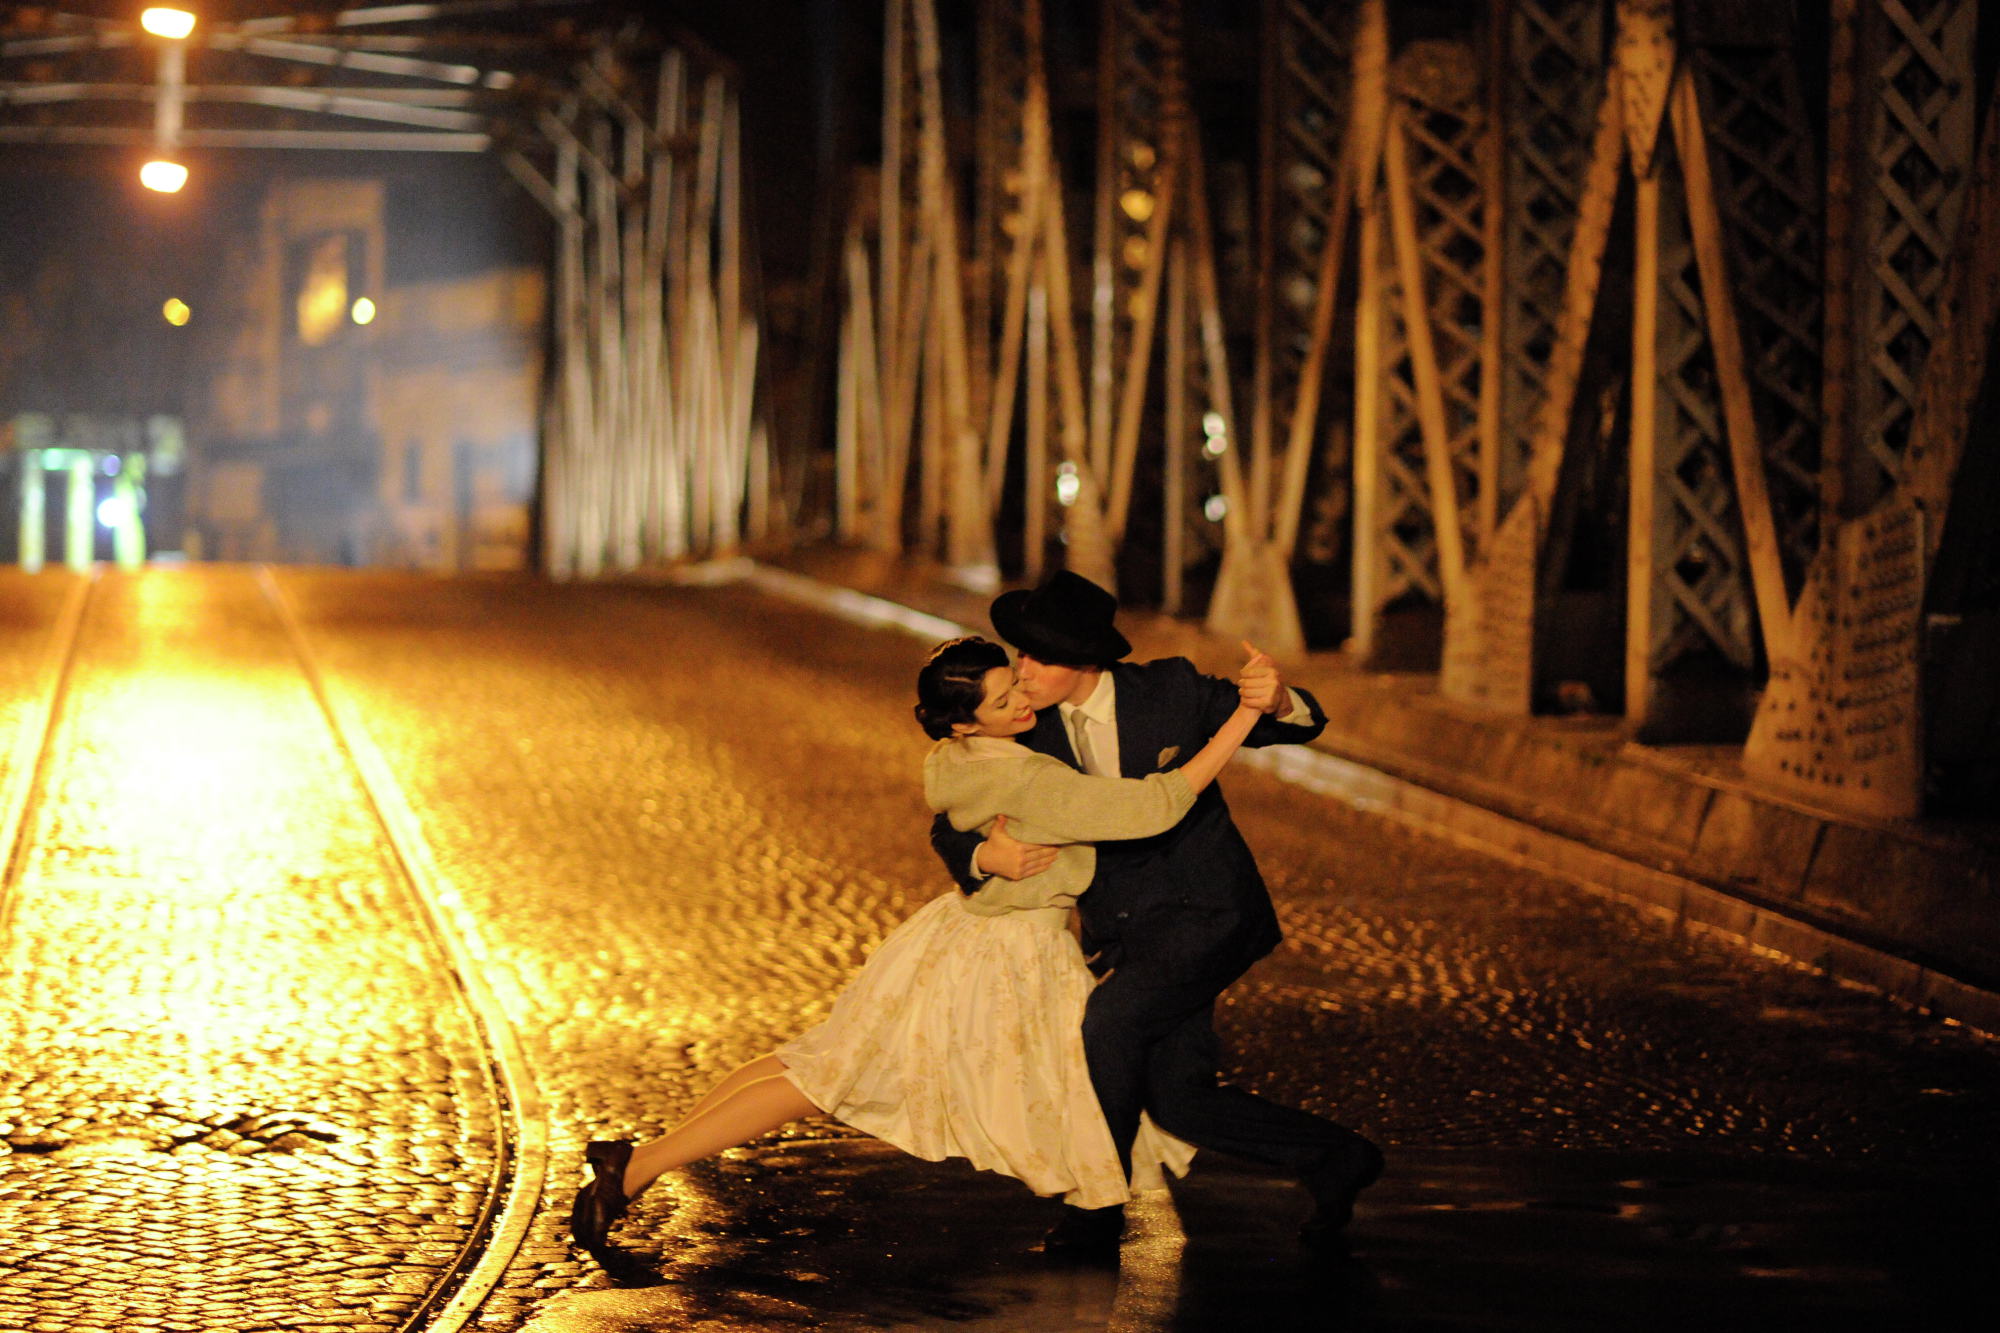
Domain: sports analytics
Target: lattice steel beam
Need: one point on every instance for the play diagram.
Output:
(1143, 138)
(1554, 62)
(1308, 92)
(1918, 83)
(1418, 438)
(1761, 150)
(1698, 571)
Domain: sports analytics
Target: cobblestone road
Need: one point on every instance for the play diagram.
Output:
(240, 1092)
(215, 1118)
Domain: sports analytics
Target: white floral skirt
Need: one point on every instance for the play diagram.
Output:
(962, 1037)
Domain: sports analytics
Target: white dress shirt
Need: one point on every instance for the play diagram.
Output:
(1093, 726)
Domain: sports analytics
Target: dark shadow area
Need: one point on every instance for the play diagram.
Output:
(1244, 1266)
(836, 1234)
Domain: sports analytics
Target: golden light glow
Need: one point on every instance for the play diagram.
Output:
(164, 176)
(164, 22)
(364, 310)
(323, 297)
(176, 311)
(1138, 205)
(190, 1004)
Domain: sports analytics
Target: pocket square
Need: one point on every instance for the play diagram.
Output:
(1166, 756)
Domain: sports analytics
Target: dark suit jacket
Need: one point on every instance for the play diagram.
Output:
(1185, 905)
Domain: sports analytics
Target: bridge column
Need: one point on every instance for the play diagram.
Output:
(80, 529)
(128, 534)
(34, 507)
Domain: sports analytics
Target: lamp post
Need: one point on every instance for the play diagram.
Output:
(172, 26)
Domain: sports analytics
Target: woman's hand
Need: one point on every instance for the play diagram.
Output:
(1007, 857)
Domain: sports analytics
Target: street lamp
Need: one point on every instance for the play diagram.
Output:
(163, 22)
(163, 173)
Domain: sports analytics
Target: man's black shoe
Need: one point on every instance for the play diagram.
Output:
(1341, 1175)
(1085, 1233)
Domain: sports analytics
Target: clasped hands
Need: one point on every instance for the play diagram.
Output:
(1259, 685)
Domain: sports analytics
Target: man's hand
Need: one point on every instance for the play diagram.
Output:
(1008, 857)
(1259, 684)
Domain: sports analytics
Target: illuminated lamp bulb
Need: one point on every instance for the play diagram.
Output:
(1068, 484)
(363, 311)
(176, 311)
(164, 22)
(164, 176)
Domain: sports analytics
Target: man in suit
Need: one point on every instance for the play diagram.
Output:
(1172, 919)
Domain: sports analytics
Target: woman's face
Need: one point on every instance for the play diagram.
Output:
(1005, 711)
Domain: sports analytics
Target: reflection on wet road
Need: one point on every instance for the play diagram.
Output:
(235, 1076)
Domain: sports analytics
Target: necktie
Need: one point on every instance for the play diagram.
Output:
(1085, 758)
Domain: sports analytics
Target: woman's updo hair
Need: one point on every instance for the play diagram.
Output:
(952, 684)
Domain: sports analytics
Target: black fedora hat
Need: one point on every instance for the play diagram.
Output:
(1066, 621)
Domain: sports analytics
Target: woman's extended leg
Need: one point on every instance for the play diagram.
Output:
(762, 1067)
(754, 1106)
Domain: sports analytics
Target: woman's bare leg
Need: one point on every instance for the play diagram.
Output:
(755, 1106)
(762, 1067)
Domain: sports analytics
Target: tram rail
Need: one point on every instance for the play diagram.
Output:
(34, 736)
(521, 1157)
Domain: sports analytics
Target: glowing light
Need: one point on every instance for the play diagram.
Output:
(113, 510)
(1217, 431)
(322, 302)
(363, 311)
(1138, 205)
(164, 22)
(1067, 484)
(1215, 508)
(176, 311)
(166, 177)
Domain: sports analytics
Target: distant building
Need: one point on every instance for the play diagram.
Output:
(353, 422)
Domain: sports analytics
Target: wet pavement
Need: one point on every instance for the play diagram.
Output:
(241, 1091)
(212, 1114)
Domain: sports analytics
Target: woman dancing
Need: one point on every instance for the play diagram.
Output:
(961, 1035)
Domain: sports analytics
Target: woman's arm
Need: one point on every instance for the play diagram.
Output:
(1069, 806)
(956, 850)
(1218, 698)
(1209, 759)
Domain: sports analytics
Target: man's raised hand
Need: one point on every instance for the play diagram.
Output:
(1259, 683)
(1006, 856)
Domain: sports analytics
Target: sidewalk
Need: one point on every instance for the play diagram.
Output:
(1906, 908)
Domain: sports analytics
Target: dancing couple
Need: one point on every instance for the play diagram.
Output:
(982, 1028)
